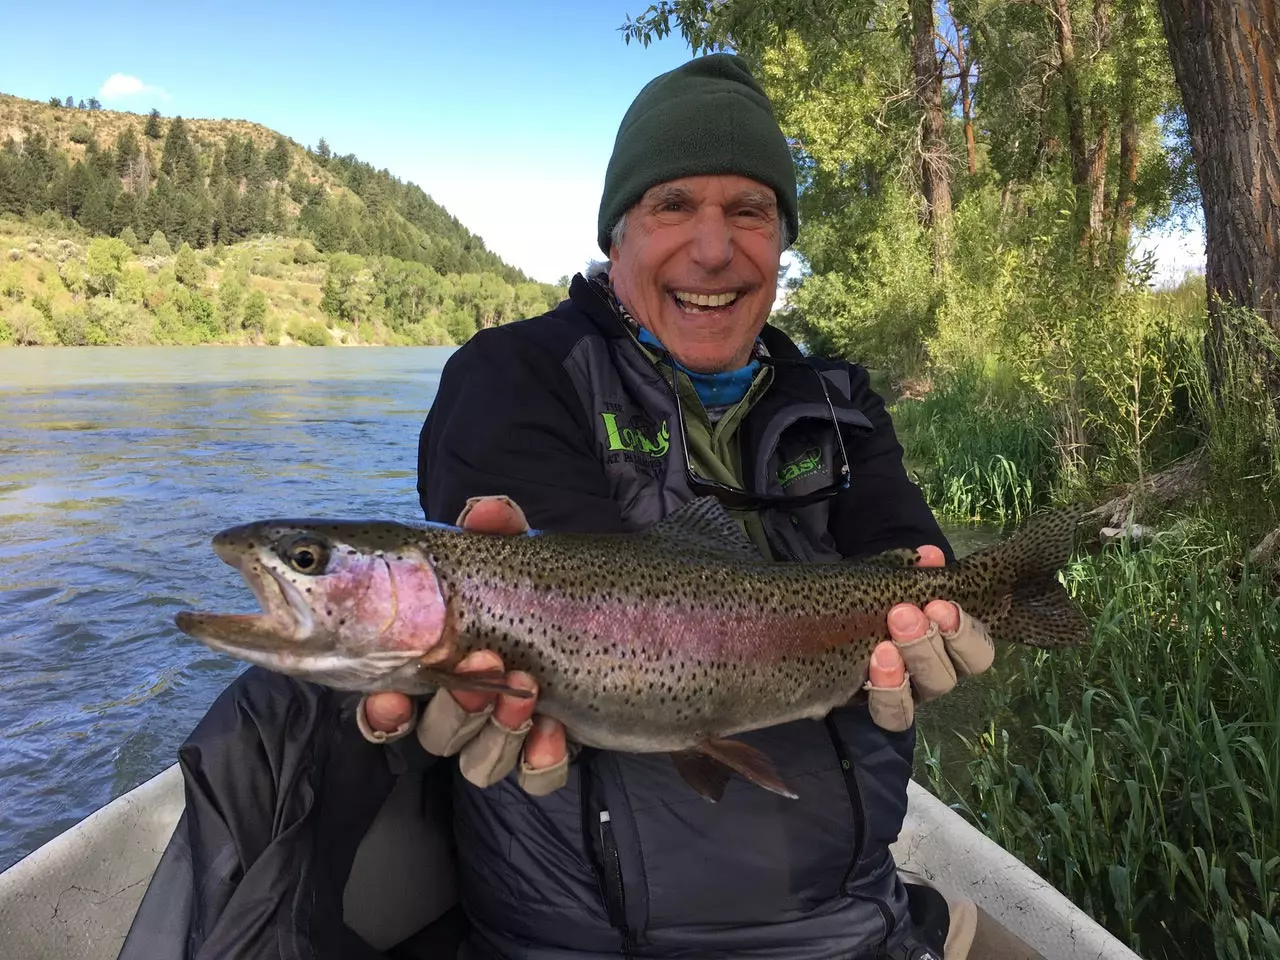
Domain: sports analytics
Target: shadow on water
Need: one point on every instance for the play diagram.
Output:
(119, 465)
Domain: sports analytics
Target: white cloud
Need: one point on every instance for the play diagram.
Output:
(122, 86)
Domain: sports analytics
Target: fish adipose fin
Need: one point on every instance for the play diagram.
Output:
(706, 766)
(705, 524)
(480, 681)
(1023, 570)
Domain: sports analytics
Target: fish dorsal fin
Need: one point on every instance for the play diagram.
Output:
(705, 524)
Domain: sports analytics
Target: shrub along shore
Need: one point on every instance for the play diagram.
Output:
(1139, 774)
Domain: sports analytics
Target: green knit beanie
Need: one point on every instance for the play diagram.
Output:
(708, 116)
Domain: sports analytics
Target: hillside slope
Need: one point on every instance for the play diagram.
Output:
(219, 181)
(121, 229)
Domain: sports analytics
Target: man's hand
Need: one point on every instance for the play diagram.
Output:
(930, 648)
(490, 732)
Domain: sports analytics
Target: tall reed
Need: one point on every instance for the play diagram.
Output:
(1143, 774)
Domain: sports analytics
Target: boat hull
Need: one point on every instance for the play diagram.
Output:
(75, 897)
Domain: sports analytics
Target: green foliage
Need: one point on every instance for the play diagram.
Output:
(80, 133)
(1147, 767)
(187, 267)
(26, 326)
(130, 239)
(255, 312)
(105, 261)
(877, 301)
(1241, 430)
(230, 299)
(152, 128)
(158, 245)
(978, 448)
(305, 252)
(310, 333)
(344, 297)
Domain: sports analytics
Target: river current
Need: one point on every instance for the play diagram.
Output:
(116, 467)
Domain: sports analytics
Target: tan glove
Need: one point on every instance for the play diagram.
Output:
(932, 647)
(489, 733)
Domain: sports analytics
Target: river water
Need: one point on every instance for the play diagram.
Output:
(116, 467)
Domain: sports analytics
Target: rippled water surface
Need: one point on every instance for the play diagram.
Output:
(116, 467)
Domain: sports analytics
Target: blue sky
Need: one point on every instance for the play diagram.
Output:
(504, 112)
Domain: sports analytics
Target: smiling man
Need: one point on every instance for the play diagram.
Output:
(657, 381)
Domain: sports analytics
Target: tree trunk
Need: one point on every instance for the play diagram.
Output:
(966, 95)
(935, 173)
(1226, 58)
(1122, 222)
(1071, 93)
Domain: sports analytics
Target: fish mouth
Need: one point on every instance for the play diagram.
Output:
(285, 617)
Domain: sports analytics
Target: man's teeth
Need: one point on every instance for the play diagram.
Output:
(706, 299)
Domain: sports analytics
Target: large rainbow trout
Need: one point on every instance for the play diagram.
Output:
(669, 640)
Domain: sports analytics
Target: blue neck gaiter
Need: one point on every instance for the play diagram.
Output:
(713, 389)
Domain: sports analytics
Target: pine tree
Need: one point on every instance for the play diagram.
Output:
(279, 160)
(127, 150)
(178, 158)
(70, 103)
(322, 149)
(152, 129)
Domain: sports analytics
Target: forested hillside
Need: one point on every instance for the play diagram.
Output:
(380, 251)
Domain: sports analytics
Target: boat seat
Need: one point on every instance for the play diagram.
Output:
(403, 878)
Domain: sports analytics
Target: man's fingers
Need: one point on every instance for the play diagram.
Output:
(388, 712)
(545, 746)
(888, 691)
(513, 712)
(944, 613)
(931, 556)
(969, 645)
(492, 515)
(473, 701)
(887, 668)
(920, 643)
(546, 758)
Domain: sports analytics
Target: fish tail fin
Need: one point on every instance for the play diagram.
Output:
(1019, 579)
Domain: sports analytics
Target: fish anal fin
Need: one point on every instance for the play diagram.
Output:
(480, 681)
(706, 775)
(748, 762)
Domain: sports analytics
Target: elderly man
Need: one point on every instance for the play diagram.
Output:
(657, 381)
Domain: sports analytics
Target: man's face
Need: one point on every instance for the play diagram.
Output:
(698, 267)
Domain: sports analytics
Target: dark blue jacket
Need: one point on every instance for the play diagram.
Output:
(627, 860)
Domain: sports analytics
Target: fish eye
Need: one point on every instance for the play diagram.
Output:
(306, 555)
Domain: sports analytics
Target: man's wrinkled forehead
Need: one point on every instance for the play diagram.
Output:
(755, 195)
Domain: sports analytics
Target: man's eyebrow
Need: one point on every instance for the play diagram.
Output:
(668, 192)
(757, 198)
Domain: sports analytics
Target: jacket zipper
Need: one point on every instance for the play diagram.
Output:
(859, 822)
(616, 901)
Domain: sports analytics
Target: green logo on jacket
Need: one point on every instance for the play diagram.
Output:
(633, 439)
(808, 462)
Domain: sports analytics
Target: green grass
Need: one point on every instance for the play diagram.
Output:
(1141, 774)
(976, 451)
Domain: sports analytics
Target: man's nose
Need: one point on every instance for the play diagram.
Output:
(712, 240)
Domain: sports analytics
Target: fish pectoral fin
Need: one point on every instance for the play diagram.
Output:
(481, 681)
(748, 762)
(705, 774)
